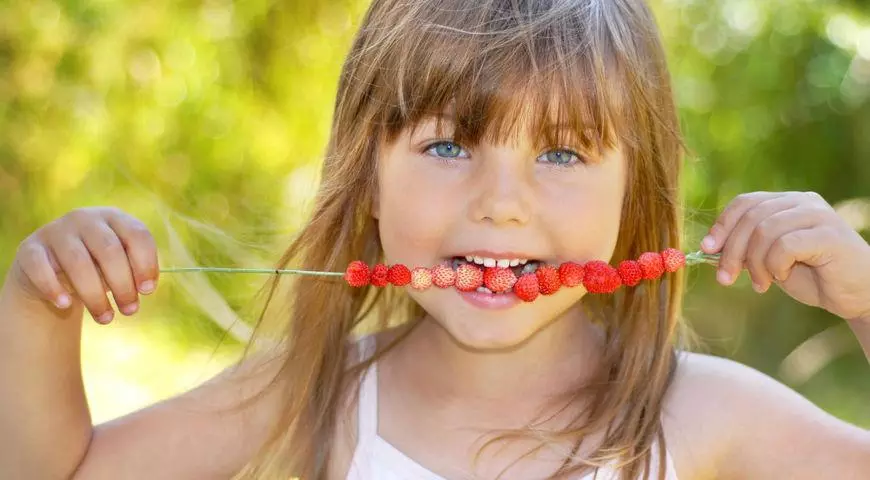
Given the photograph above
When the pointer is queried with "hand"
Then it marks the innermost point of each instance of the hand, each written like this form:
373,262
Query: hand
79,257
796,240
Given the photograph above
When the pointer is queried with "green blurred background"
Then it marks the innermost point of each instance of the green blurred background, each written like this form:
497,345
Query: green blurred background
211,117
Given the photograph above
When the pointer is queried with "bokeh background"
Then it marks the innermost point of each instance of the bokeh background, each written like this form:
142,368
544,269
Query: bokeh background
207,120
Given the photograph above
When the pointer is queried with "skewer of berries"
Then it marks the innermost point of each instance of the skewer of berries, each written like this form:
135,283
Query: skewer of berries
527,282
596,276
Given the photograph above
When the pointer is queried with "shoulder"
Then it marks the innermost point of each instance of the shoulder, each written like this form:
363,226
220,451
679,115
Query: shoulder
724,419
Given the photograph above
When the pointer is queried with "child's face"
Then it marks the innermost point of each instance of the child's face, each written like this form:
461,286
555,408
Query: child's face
445,201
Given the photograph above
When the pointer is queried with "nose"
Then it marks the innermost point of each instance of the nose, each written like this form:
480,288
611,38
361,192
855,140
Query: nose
501,193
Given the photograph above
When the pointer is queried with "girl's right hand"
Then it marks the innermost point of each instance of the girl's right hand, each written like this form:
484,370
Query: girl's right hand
79,257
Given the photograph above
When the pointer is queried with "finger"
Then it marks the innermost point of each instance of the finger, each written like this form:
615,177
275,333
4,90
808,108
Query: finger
74,258
34,261
767,232
735,244
141,250
106,248
729,217
805,246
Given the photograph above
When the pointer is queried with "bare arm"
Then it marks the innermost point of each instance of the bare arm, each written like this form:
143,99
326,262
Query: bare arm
763,429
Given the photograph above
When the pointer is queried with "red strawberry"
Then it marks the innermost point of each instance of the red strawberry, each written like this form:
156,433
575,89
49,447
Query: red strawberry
526,288
379,275
399,275
600,277
468,277
357,274
443,276
548,279
652,265
630,272
571,274
421,278
499,279
673,259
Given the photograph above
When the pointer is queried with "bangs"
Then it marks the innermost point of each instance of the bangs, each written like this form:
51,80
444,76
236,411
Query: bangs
498,75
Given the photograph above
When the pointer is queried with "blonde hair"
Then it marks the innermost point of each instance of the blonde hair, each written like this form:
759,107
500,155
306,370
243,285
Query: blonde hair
595,66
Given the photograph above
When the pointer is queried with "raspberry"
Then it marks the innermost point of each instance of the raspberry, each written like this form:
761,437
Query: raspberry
421,278
399,275
357,274
571,274
548,279
652,265
526,288
600,277
379,275
443,276
468,277
499,279
630,272
673,259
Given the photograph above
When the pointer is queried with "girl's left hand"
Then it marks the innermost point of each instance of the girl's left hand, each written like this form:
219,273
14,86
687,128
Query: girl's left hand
798,241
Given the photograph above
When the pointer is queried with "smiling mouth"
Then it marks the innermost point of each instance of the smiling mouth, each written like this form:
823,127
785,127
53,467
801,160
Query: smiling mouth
520,267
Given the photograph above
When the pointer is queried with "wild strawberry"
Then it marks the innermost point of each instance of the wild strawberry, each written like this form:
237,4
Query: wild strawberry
399,275
652,265
526,288
499,279
443,276
421,278
571,274
600,277
548,279
379,275
630,272
357,274
673,259
468,277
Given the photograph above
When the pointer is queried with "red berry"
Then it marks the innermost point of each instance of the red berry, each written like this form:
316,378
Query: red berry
399,275
357,274
600,277
526,288
673,259
468,277
421,278
652,265
379,275
498,279
571,274
548,279
630,272
443,276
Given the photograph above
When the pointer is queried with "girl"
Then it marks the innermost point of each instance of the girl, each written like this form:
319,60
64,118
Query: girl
465,131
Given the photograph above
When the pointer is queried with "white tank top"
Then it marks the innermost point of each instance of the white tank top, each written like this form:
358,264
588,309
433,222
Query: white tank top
376,459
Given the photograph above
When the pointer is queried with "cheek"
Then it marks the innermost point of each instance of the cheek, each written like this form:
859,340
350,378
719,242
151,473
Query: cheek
584,220
415,214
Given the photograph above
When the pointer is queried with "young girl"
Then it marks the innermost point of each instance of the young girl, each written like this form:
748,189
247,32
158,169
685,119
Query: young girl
495,132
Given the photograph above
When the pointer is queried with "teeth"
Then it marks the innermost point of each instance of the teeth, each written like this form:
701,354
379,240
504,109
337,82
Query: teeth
514,262
478,260
493,262
523,261
503,263
469,258
488,262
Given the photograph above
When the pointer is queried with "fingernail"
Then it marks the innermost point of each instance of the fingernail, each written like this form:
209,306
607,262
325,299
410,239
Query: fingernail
63,301
130,309
758,288
106,317
708,242
723,277
146,287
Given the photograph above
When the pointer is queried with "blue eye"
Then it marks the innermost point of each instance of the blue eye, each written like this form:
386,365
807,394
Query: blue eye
560,157
446,150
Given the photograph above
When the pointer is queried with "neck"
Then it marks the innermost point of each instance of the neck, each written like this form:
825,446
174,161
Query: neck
555,360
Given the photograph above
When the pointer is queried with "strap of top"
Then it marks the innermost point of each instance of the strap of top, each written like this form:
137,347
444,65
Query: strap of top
367,414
